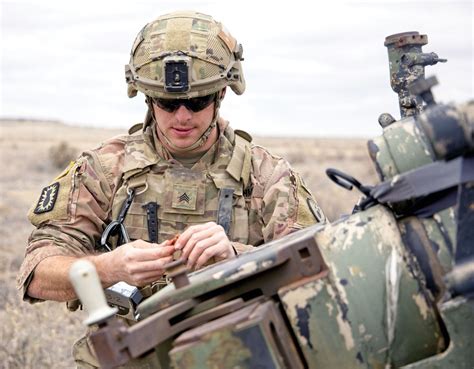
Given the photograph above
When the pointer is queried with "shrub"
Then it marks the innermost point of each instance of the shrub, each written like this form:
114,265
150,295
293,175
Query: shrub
62,154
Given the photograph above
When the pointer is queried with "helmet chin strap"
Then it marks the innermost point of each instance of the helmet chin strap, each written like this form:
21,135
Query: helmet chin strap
201,140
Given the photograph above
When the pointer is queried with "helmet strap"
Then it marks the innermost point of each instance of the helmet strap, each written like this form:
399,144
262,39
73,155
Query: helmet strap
201,140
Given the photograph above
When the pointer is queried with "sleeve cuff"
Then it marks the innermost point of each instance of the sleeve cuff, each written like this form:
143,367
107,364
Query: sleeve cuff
240,248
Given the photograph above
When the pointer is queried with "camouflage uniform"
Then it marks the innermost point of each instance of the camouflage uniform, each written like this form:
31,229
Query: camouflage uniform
90,187
89,193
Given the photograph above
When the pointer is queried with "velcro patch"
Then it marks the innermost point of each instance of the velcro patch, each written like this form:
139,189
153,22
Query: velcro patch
308,208
185,191
184,197
315,209
47,199
54,198
229,41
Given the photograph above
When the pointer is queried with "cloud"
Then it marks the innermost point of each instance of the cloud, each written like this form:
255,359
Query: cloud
321,70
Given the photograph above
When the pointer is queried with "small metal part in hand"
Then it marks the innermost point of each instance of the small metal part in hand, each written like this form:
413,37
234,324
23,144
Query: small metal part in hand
177,254
173,240
177,271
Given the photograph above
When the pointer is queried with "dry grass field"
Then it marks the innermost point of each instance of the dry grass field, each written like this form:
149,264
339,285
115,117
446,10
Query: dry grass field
41,335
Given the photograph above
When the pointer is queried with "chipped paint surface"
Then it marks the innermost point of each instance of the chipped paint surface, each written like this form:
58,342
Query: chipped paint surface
408,128
344,326
395,180
218,275
351,232
392,275
297,299
451,213
300,296
356,271
345,330
244,269
340,288
367,337
422,305
267,263
330,308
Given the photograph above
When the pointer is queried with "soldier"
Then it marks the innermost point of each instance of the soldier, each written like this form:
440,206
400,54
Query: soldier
183,171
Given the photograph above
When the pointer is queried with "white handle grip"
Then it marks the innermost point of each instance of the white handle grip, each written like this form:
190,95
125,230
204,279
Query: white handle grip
86,283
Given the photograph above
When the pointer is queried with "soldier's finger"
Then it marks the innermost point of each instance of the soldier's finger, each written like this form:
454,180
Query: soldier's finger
196,238
158,266
200,248
188,233
209,253
141,244
145,278
150,253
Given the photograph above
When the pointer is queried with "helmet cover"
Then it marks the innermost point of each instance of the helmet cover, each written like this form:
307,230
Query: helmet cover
182,55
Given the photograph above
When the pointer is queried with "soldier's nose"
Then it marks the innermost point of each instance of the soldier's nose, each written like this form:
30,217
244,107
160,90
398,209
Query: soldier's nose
183,114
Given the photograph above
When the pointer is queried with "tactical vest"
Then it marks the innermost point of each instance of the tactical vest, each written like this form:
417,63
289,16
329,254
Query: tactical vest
169,197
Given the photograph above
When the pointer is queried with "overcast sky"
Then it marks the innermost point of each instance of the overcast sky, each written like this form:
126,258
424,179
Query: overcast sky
313,68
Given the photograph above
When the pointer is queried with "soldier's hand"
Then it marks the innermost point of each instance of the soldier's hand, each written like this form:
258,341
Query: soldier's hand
139,262
202,242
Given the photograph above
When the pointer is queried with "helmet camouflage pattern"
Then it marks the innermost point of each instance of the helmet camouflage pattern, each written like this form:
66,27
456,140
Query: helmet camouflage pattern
184,55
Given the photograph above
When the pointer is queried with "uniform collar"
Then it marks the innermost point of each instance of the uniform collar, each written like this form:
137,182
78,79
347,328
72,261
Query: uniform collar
145,150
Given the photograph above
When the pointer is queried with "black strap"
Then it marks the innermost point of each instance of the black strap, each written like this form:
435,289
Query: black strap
465,218
435,187
224,213
152,220
425,180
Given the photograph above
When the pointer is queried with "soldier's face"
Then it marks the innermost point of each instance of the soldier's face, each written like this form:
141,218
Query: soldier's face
183,127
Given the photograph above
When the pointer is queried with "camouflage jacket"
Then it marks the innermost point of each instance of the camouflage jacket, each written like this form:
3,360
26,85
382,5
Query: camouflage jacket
73,211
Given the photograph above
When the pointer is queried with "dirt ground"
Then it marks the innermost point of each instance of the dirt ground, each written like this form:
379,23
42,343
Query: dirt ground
41,335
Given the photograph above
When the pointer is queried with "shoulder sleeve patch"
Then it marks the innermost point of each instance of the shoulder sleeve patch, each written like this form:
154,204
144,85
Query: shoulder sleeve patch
47,199
316,210
308,208
53,201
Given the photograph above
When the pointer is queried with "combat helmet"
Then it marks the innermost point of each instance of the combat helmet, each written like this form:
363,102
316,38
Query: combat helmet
183,55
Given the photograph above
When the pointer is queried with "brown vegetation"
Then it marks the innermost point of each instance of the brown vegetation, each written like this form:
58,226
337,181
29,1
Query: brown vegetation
62,154
41,335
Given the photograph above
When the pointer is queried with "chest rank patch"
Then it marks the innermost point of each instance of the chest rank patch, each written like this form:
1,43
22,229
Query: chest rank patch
47,199
184,197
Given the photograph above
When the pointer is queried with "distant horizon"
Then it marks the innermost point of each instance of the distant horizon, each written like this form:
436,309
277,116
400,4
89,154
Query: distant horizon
12,120
321,73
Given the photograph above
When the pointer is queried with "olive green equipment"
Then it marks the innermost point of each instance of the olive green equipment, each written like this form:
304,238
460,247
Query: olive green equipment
389,286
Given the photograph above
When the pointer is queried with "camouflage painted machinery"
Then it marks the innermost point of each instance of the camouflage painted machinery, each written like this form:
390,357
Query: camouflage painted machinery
389,286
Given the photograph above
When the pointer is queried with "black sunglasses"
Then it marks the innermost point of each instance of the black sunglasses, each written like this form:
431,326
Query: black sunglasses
195,104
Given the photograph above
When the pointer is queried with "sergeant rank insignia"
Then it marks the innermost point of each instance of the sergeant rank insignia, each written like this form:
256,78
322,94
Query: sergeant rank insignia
184,196
47,199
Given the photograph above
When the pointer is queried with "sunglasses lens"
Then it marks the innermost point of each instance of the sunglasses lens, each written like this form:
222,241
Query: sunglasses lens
199,103
169,105
196,104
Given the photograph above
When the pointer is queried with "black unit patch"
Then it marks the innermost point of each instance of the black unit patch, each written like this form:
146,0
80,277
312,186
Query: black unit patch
315,209
47,199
